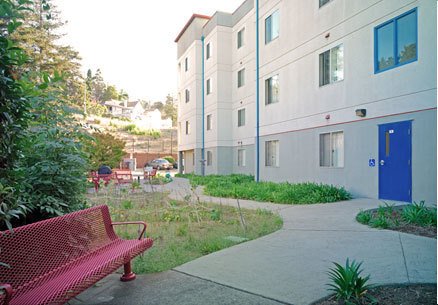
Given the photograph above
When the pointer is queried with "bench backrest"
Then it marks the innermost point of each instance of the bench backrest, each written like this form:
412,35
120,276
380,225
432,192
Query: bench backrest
123,175
35,250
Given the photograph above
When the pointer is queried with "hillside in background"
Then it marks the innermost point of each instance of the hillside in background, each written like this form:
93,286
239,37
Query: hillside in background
138,140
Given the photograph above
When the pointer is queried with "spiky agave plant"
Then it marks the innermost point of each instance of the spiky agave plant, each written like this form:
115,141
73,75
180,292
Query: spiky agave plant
347,284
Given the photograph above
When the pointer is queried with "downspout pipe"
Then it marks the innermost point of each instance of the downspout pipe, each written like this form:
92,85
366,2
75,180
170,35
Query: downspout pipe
203,108
257,95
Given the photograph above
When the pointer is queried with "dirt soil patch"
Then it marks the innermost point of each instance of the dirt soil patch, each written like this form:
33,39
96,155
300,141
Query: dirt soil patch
417,294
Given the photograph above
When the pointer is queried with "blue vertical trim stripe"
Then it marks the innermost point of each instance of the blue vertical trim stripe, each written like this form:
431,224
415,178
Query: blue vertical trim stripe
257,94
203,110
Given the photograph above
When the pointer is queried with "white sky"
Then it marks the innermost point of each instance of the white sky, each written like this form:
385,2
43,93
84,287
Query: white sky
132,41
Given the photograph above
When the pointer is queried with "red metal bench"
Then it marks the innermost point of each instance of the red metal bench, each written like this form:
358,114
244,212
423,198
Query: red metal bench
123,176
96,178
54,260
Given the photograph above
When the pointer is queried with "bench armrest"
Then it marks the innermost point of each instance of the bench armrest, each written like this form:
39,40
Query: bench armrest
133,223
7,291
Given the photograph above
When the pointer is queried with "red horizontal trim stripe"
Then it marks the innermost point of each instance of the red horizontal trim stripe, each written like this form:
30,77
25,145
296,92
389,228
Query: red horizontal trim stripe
348,122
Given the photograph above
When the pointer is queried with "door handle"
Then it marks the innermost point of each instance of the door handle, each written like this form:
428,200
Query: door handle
382,162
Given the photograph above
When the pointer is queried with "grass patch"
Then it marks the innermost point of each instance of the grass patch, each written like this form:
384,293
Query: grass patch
182,230
244,187
407,218
134,130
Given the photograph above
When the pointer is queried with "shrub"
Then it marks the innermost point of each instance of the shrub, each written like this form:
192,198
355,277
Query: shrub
418,213
364,217
347,284
170,159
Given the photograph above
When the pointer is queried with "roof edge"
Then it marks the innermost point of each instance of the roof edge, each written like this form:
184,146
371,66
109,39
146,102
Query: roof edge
189,22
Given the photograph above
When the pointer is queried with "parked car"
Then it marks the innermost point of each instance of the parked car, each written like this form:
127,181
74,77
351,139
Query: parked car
159,164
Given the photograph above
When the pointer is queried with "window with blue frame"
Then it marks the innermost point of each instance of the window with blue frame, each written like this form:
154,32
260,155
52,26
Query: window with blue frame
396,42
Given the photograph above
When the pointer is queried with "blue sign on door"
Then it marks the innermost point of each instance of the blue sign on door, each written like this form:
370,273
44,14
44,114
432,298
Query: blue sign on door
395,150
372,162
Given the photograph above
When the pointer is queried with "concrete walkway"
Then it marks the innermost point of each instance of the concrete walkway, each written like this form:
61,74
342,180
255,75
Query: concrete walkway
286,267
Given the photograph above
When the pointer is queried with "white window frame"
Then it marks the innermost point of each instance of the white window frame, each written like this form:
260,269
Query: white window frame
187,127
331,151
272,160
274,17
207,51
241,157
187,95
209,122
241,121
241,78
335,75
208,88
269,90
209,158
241,38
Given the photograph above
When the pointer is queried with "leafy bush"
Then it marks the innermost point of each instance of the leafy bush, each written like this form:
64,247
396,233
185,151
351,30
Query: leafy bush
364,217
244,187
347,284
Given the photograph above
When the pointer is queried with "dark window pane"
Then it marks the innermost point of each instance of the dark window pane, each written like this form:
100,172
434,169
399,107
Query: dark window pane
407,37
385,46
324,68
322,2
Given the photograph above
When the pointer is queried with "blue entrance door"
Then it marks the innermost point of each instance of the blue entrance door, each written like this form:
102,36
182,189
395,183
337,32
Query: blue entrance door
395,150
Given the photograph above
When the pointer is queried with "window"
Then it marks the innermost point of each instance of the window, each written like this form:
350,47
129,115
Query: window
272,27
331,66
186,64
272,90
240,78
331,149
241,157
209,122
323,2
241,117
272,153
240,38
396,42
208,86
207,51
187,93
187,127
209,158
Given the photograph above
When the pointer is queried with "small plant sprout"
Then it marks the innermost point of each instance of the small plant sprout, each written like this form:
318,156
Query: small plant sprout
347,282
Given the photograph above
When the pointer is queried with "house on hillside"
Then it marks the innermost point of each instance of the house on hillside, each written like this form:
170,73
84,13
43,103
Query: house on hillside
153,120
131,110
331,91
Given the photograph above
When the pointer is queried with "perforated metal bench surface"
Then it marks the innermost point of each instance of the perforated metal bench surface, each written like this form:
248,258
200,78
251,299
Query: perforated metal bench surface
54,260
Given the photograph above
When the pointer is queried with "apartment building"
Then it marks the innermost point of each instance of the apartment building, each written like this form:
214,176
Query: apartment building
331,91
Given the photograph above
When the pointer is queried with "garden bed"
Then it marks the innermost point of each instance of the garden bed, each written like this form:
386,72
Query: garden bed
414,219
415,294
244,187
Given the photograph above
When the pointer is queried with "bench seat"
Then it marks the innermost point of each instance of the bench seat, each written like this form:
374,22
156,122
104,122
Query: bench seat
70,253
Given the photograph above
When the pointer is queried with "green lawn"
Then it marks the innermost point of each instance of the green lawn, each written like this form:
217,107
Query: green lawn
244,187
182,231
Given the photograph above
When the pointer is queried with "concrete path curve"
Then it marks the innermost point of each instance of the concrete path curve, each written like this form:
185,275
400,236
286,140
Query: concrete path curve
288,266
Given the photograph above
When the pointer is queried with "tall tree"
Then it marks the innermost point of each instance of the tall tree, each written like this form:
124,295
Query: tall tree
170,110
110,93
98,86
39,38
